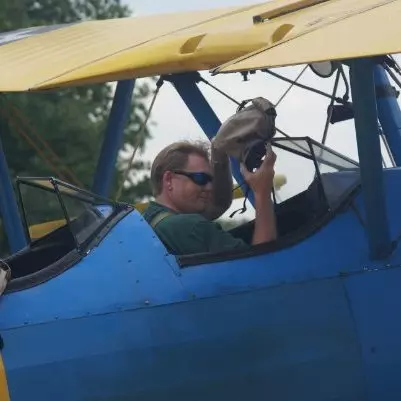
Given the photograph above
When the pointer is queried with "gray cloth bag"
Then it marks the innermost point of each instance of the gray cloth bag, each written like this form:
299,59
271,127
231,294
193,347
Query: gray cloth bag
247,133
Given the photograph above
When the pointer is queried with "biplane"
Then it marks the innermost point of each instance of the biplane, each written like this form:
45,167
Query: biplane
97,309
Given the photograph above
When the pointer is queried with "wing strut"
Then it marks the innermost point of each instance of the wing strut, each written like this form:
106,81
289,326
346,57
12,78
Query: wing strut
139,137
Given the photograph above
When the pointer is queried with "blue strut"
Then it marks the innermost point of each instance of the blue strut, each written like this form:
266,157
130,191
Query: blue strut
187,88
113,139
9,208
370,160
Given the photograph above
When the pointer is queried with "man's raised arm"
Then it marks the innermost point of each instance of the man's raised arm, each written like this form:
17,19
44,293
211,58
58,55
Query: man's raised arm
222,192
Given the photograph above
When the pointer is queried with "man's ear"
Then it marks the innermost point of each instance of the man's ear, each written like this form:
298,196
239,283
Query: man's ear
167,180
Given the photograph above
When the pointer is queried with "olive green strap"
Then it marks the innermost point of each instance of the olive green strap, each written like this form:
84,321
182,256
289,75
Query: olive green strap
158,218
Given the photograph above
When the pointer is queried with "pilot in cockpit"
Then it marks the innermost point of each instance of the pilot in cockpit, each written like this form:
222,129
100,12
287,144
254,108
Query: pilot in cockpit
191,190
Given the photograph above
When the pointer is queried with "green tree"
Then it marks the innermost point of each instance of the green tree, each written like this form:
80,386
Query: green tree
71,122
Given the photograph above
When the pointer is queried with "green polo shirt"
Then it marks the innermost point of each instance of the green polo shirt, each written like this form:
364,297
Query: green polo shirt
184,234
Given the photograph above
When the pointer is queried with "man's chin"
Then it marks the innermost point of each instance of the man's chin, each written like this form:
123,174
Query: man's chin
194,209
197,207
200,208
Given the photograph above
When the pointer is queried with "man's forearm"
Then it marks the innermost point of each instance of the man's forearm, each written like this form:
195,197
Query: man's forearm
265,221
222,194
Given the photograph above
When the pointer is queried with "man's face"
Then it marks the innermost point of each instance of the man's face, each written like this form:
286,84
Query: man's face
187,195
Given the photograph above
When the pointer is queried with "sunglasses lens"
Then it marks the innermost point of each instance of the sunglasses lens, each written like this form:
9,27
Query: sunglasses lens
201,178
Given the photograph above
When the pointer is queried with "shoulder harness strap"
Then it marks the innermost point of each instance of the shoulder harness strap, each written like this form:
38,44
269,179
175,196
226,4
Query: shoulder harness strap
158,218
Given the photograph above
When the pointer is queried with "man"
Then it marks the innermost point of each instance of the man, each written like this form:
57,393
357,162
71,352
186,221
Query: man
190,191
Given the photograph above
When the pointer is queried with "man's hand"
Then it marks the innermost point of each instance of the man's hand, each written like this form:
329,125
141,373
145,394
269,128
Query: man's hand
261,181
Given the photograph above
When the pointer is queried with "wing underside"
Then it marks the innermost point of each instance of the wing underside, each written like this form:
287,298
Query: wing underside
270,34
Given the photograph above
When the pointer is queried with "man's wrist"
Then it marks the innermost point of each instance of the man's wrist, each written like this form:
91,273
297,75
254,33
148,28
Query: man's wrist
262,196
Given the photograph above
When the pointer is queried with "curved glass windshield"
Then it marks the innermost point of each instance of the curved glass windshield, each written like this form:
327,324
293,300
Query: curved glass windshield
302,164
49,204
306,161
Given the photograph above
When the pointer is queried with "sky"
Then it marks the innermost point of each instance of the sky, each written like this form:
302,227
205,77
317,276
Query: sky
301,113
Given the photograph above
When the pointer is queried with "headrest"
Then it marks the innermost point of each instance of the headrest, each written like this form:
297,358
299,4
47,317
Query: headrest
245,135
5,275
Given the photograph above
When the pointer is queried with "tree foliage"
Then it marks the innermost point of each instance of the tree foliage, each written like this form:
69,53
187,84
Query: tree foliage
59,133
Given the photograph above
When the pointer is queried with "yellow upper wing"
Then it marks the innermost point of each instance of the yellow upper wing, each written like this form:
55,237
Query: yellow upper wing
334,30
109,50
291,32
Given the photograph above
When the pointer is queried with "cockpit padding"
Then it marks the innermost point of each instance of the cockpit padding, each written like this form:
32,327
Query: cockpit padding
41,253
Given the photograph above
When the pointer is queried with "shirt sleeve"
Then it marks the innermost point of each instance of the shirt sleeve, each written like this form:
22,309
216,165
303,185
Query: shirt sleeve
214,239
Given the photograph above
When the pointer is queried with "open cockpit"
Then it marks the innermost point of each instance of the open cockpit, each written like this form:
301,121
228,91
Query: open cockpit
320,183
63,223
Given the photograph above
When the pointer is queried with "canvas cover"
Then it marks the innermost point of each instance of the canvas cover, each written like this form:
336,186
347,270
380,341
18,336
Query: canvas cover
247,133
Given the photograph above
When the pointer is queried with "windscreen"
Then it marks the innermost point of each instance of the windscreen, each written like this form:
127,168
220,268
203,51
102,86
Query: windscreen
49,204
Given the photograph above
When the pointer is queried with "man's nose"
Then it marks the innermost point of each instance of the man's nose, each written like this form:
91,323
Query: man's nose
208,187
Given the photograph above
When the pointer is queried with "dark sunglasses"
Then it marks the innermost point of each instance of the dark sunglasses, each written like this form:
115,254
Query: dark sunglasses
200,179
